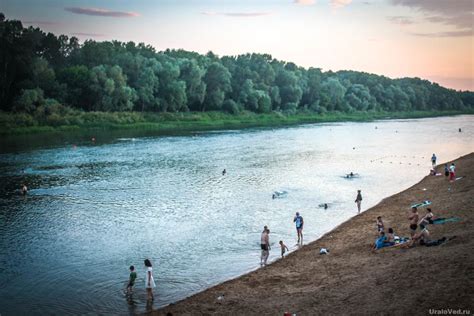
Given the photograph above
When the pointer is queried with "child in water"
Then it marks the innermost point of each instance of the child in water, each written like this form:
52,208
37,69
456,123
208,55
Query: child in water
284,248
131,280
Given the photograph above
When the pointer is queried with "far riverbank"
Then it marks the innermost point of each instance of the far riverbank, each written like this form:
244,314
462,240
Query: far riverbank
14,124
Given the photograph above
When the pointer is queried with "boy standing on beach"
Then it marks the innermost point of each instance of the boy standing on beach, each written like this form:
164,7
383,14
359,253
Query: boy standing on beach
131,280
284,248
380,225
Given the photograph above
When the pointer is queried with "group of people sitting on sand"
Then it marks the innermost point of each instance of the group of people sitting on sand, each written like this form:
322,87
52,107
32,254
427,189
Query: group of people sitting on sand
421,236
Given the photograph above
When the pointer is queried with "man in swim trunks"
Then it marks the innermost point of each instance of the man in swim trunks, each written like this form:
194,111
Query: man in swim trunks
414,218
264,245
298,220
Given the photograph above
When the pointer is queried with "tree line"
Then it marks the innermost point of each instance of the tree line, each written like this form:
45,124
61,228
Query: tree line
41,71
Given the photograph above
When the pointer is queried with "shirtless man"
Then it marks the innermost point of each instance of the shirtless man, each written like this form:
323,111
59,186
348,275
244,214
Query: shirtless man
265,246
414,218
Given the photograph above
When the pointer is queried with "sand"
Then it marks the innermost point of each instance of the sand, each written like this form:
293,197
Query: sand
352,279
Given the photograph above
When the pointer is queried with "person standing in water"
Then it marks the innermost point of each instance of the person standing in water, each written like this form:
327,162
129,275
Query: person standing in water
284,248
131,280
149,281
433,160
224,172
298,220
265,245
358,200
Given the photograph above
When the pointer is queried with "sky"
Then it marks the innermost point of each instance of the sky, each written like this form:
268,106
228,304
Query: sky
430,39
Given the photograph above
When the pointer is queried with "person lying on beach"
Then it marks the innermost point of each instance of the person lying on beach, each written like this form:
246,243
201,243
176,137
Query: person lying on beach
424,239
414,218
284,248
379,223
424,235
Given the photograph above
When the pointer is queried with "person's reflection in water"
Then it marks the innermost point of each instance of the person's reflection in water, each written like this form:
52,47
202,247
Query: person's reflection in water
149,306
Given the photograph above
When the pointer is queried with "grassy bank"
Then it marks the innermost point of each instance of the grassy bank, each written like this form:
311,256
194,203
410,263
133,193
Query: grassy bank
21,124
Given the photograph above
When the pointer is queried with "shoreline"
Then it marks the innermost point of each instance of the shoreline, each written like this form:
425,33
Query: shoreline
308,283
183,123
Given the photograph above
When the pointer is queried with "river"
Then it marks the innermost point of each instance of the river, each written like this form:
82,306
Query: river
96,207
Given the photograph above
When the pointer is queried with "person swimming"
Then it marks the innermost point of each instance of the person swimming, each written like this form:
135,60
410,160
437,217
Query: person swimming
224,172
24,189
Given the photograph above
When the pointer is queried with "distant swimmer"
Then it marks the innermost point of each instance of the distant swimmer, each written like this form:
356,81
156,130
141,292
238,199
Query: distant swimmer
274,196
24,189
459,130
224,172
358,200
298,220
325,206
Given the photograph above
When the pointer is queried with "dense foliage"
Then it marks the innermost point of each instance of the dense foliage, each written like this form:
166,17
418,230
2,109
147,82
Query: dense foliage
45,74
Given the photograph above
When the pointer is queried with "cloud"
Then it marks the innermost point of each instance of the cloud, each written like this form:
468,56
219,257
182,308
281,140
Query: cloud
88,34
401,20
458,13
236,14
304,2
445,7
463,33
101,12
337,4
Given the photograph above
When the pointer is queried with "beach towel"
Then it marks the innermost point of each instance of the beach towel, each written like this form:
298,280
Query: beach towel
422,204
446,220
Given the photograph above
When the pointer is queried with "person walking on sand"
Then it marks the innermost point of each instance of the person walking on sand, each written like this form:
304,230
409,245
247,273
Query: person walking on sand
452,172
149,281
265,246
298,220
284,248
433,160
414,219
446,170
358,200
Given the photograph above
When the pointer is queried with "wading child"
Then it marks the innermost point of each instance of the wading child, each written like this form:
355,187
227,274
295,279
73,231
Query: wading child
284,248
131,280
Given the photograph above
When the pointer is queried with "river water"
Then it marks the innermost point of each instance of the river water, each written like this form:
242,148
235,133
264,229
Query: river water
95,208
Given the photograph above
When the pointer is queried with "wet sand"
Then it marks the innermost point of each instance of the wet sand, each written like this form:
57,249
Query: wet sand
352,279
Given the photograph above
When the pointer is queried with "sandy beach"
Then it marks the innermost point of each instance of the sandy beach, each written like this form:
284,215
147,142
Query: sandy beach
353,279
